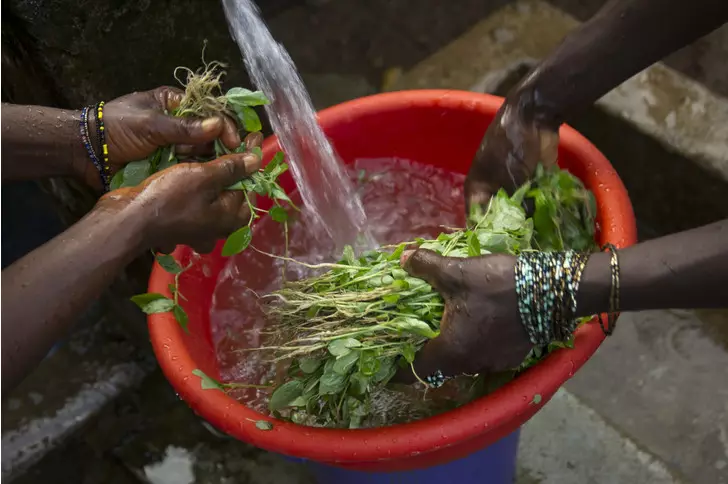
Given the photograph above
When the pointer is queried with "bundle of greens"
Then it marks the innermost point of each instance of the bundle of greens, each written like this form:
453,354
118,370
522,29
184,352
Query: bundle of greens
203,98
344,333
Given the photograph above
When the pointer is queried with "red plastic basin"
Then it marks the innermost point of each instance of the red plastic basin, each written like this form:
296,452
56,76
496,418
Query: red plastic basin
442,128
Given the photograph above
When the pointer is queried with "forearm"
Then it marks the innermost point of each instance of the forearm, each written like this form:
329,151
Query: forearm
44,292
623,38
41,142
688,270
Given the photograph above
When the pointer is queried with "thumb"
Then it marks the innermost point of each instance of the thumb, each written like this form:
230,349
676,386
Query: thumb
229,169
433,268
169,130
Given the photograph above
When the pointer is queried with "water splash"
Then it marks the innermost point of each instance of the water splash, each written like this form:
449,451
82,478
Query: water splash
320,176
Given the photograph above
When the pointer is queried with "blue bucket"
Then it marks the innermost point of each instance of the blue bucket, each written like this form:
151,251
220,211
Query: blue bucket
495,464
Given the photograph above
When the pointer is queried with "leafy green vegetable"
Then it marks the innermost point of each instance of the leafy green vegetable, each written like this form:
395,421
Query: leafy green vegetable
238,241
263,425
348,330
202,98
207,383
153,303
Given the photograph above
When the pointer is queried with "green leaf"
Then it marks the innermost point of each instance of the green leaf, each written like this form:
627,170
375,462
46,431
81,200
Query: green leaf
136,172
237,242
285,394
166,158
309,365
346,363
278,214
208,383
279,194
341,347
238,96
274,163
248,118
168,263
387,369
408,352
263,425
257,151
331,382
181,316
369,364
117,181
359,383
415,326
390,298
153,303
473,245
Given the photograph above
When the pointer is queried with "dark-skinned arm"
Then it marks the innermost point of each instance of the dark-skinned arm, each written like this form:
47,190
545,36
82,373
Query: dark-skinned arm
623,38
687,270
482,330
40,142
44,291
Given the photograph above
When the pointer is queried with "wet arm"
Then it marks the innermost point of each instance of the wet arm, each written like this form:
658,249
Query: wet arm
43,293
40,142
623,38
687,270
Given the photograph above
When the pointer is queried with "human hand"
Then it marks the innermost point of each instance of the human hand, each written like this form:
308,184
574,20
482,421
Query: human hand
513,146
137,124
188,203
480,329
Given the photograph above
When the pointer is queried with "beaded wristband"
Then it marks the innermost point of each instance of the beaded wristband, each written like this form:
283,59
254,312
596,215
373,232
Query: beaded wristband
613,292
86,140
102,141
546,287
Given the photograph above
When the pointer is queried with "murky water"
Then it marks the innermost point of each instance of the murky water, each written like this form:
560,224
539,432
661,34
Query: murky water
403,200
320,177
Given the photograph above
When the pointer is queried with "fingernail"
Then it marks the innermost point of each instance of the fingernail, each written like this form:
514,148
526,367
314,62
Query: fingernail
253,140
252,162
210,124
405,255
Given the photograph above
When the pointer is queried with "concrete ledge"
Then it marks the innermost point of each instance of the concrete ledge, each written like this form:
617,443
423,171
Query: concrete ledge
678,112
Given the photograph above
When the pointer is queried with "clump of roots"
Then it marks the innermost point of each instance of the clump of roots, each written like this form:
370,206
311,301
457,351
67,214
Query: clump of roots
203,95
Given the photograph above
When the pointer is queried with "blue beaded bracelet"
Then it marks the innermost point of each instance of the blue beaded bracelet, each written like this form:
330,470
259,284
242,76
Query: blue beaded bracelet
546,288
86,141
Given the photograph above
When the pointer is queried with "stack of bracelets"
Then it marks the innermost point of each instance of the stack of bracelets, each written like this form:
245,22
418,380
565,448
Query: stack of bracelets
101,163
546,286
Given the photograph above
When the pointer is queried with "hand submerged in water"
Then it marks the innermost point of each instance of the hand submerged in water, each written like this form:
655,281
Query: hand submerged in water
513,146
480,330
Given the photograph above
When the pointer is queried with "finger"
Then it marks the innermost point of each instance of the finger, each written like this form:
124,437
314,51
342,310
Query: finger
169,130
204,246
195,150
168,97
253,140
477,193
228,205
230,136
440,272
230,169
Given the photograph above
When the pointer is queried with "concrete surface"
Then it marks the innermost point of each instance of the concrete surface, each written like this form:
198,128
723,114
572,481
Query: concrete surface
680,113
661,379
569,443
